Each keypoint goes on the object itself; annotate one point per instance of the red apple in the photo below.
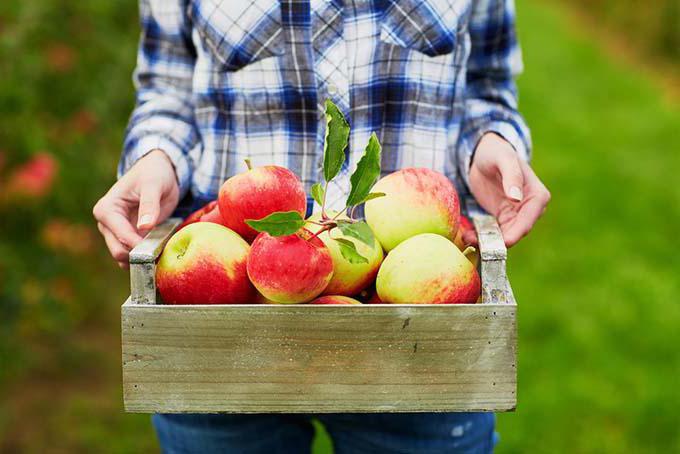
(204, 263)
(257, 193)
(466, 226)
(290, 269)
(334, 299)
(208, 213)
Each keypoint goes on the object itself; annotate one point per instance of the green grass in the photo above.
(597, 282)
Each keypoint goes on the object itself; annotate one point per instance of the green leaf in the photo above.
(366, 174)
(359, 230)
(373, 195)
(318, 193)
(278, 224)
(337, 134)
(349, 251)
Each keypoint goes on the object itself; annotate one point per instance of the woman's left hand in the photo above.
(505, 186)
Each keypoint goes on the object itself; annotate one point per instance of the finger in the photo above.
(118, 250)
(530, 211)
(111, 217)
(149, 206)
(512, 177)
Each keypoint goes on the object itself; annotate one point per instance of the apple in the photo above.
(417, 200)
(290, 269)
(208, 213)
(256, 194)
(348, 278)
(204, 263)
(334, 299)
(466, 226)
(427, 269)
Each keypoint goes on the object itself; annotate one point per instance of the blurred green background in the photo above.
(598, 281)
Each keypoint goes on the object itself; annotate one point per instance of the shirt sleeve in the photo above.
(163, 117)
(491, 93)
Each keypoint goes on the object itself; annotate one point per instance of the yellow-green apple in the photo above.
(427, 269)
(290, 269)
(334, 299)
(204, 263)
(348, 278)
(417, 200)
(256, 194)
(208, 213)
(466, 226)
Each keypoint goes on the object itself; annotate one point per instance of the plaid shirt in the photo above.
(221, 80)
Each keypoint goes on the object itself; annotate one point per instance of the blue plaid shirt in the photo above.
(222, 80)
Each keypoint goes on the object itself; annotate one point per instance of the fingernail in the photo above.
(144, 220)
(516, 193)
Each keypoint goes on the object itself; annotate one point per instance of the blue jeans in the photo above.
(420, 433)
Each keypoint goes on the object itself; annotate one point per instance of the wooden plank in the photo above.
(143, 262)
(495, 286)
(372, 358)
(150, 248)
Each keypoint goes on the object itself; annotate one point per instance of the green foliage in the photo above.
(366, 174)
(349, 251)
(318, 193)
(359, 230)
(337, 134)
(279, 223)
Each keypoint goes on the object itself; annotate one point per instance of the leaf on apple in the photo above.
(359, 230)
(318, 193)
(366, 173)
(337, 135)
(278, 224)
(373, 195)
(349, 251)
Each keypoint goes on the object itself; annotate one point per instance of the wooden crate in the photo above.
(320, 359)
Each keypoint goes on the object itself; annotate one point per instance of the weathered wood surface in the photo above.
(493, 253)
(150, 248)
(143, 262)
(377, 358)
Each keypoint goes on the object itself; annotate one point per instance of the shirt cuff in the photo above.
(179, 160)
(504, 129)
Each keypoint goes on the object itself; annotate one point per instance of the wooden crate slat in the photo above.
(319, 358)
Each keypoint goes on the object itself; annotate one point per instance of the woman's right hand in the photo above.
(142, 198)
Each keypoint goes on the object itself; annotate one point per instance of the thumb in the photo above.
(512, 177)
(149, 205)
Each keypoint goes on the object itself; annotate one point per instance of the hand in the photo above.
(146, 195)
(505, 186)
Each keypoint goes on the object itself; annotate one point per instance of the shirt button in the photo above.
(332, 89)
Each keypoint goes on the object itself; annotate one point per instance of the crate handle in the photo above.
(143, 262)
(493, 253)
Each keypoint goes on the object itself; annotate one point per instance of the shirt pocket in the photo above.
(239, 33)
(431, 27)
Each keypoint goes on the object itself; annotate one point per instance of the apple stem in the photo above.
(325, 228)
(249, 164)
(324, 216)
(468, 251)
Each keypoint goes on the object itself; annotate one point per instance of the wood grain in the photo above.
(377, 358)
(143, 262)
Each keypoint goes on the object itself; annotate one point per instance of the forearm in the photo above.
(491, 100)
(163, 117)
